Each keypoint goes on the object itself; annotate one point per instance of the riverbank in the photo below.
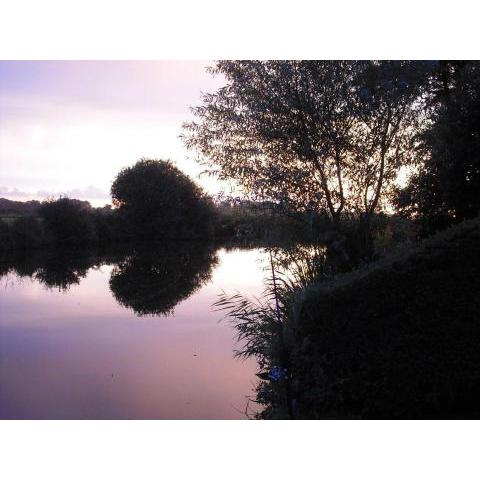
(397, 339)
(76, 224)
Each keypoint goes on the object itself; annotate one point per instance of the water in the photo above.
(127, 337)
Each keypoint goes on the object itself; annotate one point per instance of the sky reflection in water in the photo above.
(79, 353)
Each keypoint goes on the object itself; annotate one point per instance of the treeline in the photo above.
(153, 201)
(71, 222)
(58, 222)
(12, 207)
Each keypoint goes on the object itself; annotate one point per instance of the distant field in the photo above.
(10, 218)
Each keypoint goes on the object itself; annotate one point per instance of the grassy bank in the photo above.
(396, 339)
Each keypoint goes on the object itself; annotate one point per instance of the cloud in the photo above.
(88, 193)
(67, 124)
(11, 192)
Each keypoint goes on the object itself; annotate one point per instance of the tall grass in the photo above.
(264, 326)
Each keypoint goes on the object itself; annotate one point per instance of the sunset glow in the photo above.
(68, 127)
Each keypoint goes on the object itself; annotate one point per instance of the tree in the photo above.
(68, 221)
(156, 200)
(388, 117)
(309, 135)
(446, 187)
(27, 232)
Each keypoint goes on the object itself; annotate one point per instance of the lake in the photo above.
(127, 336)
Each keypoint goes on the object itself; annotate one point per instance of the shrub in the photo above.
(107, 225)
(398, 339)
(5, 237)
(68, 221)
(27, 232)
(155, 200)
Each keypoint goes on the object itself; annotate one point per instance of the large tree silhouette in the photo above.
(310, 135)
(446, 187)
(156, 200)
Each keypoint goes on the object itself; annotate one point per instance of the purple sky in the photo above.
(69, 126)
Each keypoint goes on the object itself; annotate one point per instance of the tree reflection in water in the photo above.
(150, 280)
(153, 281)
(57, 269)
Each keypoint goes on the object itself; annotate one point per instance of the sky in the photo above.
(67, 127)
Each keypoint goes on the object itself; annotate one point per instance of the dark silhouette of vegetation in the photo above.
(394, 339)
(155, 200)
(446, 188)
(311, 135)
(261, 334)
(325, 139)
(261, 221)
(12, 207)
(68, 221)
(63, 222)
(399, 340)
(27, 232)
(6, 242)
(108, 226)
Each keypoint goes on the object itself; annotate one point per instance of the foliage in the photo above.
(27, 232)
(337, 335)
(252, 221)
(310, 135)
(261, 334)
(18, 208)
(5, 237)
(398, 340)
(155, 200)
(107, 225)
(68, 221)
(446, 187)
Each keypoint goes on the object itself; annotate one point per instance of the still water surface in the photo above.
(125, 339)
